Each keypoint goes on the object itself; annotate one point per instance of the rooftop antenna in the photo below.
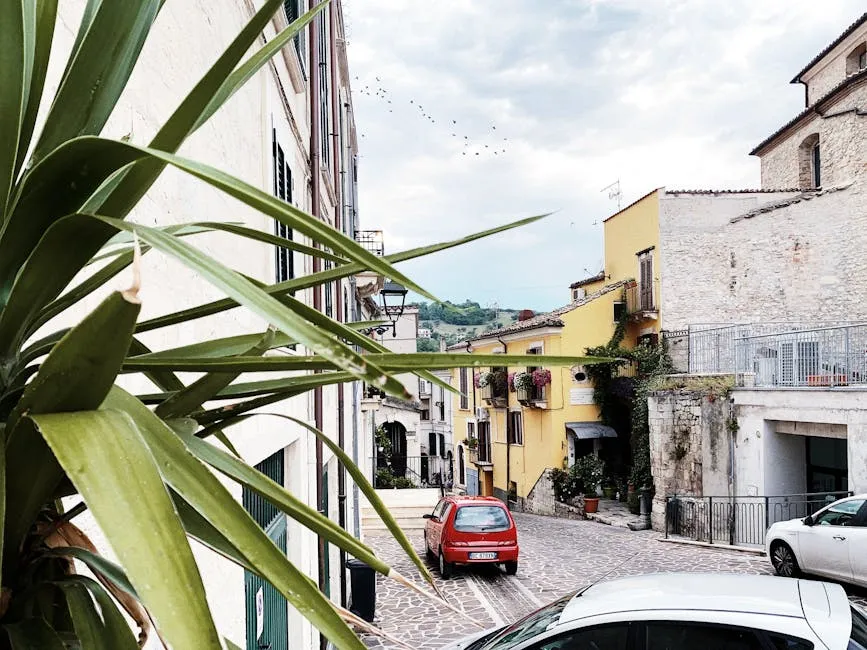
(614, 192)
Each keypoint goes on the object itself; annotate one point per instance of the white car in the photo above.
(831, 543)
(676, 611)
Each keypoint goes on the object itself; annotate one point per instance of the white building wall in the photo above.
(765, 461)
(829, 72)
(186, 39)
(842, 139)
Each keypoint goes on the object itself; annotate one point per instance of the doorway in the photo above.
(827, 464)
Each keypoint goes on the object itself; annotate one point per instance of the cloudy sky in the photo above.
(477, 112)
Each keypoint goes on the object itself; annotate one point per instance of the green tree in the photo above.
(428, 345)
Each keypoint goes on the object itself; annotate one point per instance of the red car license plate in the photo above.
(483, 556)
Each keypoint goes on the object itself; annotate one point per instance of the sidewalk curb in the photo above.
(718, 547)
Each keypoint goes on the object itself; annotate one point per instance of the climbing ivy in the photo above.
(611, 391)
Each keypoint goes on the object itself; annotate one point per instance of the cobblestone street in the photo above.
(557, 556)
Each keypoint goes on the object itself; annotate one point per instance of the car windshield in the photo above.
(481, 519)
(527, 627)
(859, 629)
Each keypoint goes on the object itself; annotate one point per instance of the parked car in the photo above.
(687, 611)
(471, 530)
(831, 543)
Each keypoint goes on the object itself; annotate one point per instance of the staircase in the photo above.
(406, 506)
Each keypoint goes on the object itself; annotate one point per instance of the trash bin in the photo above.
(362, 579)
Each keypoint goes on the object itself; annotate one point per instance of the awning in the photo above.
(588, 430)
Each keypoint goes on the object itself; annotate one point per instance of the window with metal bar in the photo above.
(285, 263)
(324, 95)
(294, 9)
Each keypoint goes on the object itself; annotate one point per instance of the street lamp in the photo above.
(393, 302)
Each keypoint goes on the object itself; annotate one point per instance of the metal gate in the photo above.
(267, 616)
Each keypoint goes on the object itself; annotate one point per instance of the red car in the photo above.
(471, 530)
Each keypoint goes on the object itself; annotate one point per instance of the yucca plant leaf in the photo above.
(166, 380)
(223, 347)
(203, 491)
(295, 385)
(33, 634)
(45, 194)
(98, 563)
(212, 419)
(191, 398)
(321, 277)
(248, 476)
(13, 87)
(76, 376)
(362, 483)
(267, 238)
(389, 361)
(127, 188)
(105, 448)
(45, 18)
(263, 305)
(100, 629)
(94, 80)
(203, 531)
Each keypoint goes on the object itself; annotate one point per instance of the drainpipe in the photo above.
(317, 294)
(508, 433)
(338, 224)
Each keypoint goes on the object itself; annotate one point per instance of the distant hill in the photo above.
(456, 322)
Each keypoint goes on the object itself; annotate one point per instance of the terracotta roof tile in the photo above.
(755, 191)
(593, 278)
(851, 28)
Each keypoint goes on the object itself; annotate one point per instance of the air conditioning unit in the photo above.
(481, 413)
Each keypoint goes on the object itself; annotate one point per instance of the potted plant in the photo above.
(591, 470)
(484, 381)
(524, 386)
(471, 443)
(609, 488)
(499, 381)
(541, 378)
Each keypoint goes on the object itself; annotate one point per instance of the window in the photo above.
(425, 415)
(441, 405)
(464, 387)
(484, 435)
(329, 291)
(324, 127)
(538, 393)
(859, 630)
(477, 519)
(293, 10)
(840, 514)
(432, 444)
(516, 428)
(607, 637)
(857, 59)
(442, 439)
(780, 642)
(440, 509)
(526, 628)
(285, 267)
(810, 163)
(645, 281)
(677, 635)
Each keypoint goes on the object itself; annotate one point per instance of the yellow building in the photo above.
(505, 439)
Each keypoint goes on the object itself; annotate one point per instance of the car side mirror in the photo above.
(808, 520)
(427, 516)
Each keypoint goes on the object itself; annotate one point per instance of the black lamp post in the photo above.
(393, 303)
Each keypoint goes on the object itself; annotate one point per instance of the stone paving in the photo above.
(558, 556)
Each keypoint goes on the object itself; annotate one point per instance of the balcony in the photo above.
(371, 241)
(642, 300)
(819, 357)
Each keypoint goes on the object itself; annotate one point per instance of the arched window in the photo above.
(810, 163)
(857, 60)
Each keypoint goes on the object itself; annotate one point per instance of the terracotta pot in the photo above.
(591, 505)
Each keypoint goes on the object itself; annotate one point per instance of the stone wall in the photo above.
(842, 145)
(689, 443)
(760, 258)
(541, 500)
(832, 70)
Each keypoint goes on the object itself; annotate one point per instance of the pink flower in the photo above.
(541, 377)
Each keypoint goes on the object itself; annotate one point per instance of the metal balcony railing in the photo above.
(818, 357)
(712, 347)
(371, 240)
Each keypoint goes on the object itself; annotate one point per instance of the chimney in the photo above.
(525, 314)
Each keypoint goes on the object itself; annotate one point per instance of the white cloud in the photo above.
(579, 93)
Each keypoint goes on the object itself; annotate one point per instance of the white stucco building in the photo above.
(770, 285)
(291, 132)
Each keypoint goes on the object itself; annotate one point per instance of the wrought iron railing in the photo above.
(371, 241)
(396, 471)
(738, 520)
